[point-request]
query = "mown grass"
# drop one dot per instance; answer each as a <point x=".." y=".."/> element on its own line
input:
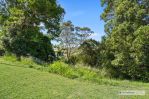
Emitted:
<point x="22" y="80"/>
<point x="26" y="83"/>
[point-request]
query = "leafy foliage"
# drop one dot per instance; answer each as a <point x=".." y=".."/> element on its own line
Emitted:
<point x="63" y="69"/>
<point x="68" y="39"/>
<point x="124" y="20"/>
<point x="23" y="23"/>
<point x="89" y="53"/>
<point x="71" y="38"/>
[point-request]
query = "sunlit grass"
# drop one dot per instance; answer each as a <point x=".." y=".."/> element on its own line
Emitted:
<point x="26" y="79"/>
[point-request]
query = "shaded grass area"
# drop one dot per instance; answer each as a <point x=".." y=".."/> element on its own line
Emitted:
<point x="27" y="83"/>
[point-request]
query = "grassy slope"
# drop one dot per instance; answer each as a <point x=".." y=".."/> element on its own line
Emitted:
<point x="27" y="83"/>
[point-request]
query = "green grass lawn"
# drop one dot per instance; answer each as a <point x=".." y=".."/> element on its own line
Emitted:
<point x="27" y="83"/>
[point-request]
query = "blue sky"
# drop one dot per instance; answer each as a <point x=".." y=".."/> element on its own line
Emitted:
<point x="85" y="13"/>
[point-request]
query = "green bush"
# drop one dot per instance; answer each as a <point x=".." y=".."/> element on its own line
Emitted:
<point x="63" y="69"/>
<point x="89" y="53"/>
<point x="86" y="74"/>
<point x="73" y="60"/>
<point x="72" y="72"/>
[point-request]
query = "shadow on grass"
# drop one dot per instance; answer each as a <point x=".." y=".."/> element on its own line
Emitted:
<point x="16" y="65"/>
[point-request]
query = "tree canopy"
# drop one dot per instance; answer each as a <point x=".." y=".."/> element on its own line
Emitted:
<point x="23" y="23"/>
<point x="125" y="21"/>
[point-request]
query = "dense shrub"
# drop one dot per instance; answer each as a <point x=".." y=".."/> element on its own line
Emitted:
<point x="62" y="69"/>
<point x="72" y="72"/>
<point x="80" y="72"/>
<point x="89" y="53"/>
<point x="86" y="74"/>
<point x="73" y="60"/>
<point x="2" y="52"/>
<point x="42" y="50"/>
